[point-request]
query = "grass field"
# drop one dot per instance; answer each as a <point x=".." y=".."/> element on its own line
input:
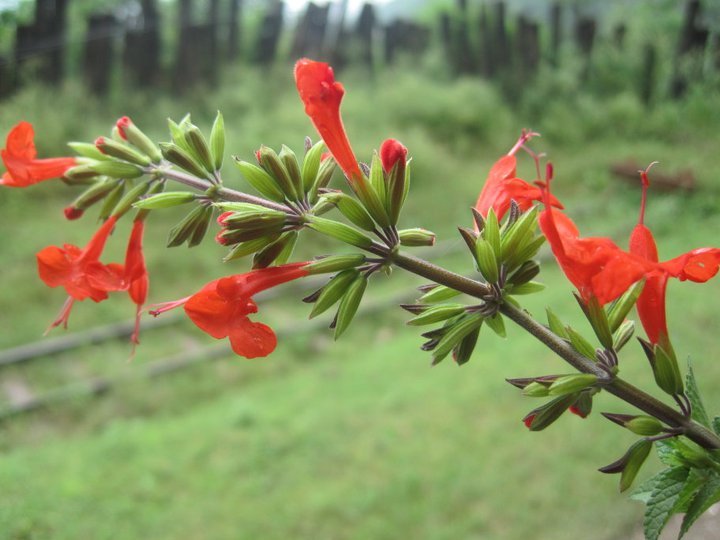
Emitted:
<point x="360" y="438"/>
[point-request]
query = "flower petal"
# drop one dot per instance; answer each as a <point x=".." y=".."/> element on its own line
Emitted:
<point x="252" y="339"/>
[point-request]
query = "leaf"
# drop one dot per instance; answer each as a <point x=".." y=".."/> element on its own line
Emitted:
<point x="644" y="491"/>
<point x="662" y="501"/>
<point x="668" y="453"/>
<point x="699" y="414"/>
<point x="708" y="495"/>
<point x="694" y="482"/>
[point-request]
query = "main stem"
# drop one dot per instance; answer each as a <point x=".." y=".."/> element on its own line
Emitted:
<point x="618" y="387"/>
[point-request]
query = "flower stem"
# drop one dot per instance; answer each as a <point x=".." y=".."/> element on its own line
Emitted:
<point x="618" y="387"/>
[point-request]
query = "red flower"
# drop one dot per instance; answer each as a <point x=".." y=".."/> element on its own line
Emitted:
<point x="698" y="265"/>
<point x="122" y="124"/>
<point x="19" y="157"/>
<point x="136" y="275"/>
<point x="595" y="265"/>
<point x="503" y="186"/>
<point x="322" y="95"/>
<point x="221" y="308"/>
<point x="80" y="270"/>
<point x="392" y="152"/>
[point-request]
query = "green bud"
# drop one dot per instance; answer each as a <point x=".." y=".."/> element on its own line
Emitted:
<point x="570" y="384"/>
<point x="536" y="389"/>
<point x="142" y="142"/>
<point x="260" y="180"/>
<point x="623" y="334"/>
<point x="666" y="371"/>
<point x="270" y="253"/>
<point x="463" y="351"/>
<point x="629" y="464"/>
<point x="324" y="175"/>
<point x="595" y="314"/>
<point x="524" y="252"/>
<point x="531" y="287"/>
<point x="351" y="209"/>
<point x="349" y="304"/>
<point x="437" y="314"/>
<point x="340" y="231"/>
<point x="622" y="306"/>
<point x="521" y="232"/>
<point x="274" y="166"/>
<point x="267" y="219"/>
<point x="416" y="237"/>
<point x="377" y="177"/>
<point x="311" y="165"/>
<point x="370" y="200"/>
<point x="496" y="324"/>
<point x="491" y="232"/>
<point x="191" y="228"/>
<point x="455" y="334"/>
<point x="646" y="426"/>
<point x="487" y="263"/>
<point x="126" y="203"/>
<point x="217" y="141"/>
<point x="121" y="151"/>
<point x="81" y="172"/>
<point x="580" y="344"/>
<point x="251" y="246"/>
<point x="556" y="325"/>
<point x="440" y="293"/>
<point x="198" y="148"/>
<point x="335" y="263"/>
<point x="542" y="417"/>
<point x="333" y="291"/>
<point x="88" y="150"/>
<point x="527" y="271"/>
<point x="289" y="159"/>
<point x="165" y="200"/>
<point x="97" y="192"/>
<point x="183" y="159"/>
<point x="178" y="136"/>
<point x="396" y="180"/>
<point x="116" y="169"/>
<point x="111" y="200"/>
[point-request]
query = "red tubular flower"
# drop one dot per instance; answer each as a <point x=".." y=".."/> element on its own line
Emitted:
<point x="136" y="275"/>
<point x="595" y="265"/>
<point x="19" y="157"/>
<point x="221" y="308"/>
<point x="80" y="271"/>
<point x="392" y="152"/>
<point x="503" y="186"/>
<point x="698" y="265"/>
<point x="322" y="95"/>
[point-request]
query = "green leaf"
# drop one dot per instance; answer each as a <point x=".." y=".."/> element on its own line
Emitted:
<point x="662" y="501"/>
<point x="693" y="483"/>
<point x="706" y="496"/>
<point x="643" y="492"/>
<point x="699" y="414"/>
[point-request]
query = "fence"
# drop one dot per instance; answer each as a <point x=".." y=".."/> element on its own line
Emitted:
<point x="478" y="39"/>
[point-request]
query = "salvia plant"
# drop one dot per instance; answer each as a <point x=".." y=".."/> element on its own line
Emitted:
<point x="128" y="175"/>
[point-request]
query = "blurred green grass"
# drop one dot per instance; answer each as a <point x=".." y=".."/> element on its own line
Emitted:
<point x="355" y="439"/>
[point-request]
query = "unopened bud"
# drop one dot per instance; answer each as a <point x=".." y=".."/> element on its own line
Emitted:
<point x="437" y="314"/>
<point x="121" y="151"/>
<point x="165" y="200"/>
<point x="199" y="148"/>
<point x="340" y="231"/>
<point x="644" y="425"/>
<point x="569" y="384"/>
<point x="416" y="237"/>
<point x="333" y="291"/>
<point x="117" y="169"/>
<point x="132" y="134"/>
<point x="260" y="180"/>
<point x="73" y="212"/>
<point x="540" y="418"/>
<point x="487" y="263"/>
<point x="275" y="167"/>
<point x="335" y="263"/>
<point x="180" y="157"/>
<point x="351" y="209"/>
<point x="629" y="464"/>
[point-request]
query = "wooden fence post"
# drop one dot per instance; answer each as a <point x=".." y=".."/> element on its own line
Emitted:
<point x="310" y="32"/>
<point x="364" y="33"/>
<point x="585" y="29"/>
<point x="693" y="39"/>
<point x="235" y="34"/>
<point x="269" y="34"/>
<point x="649" y="73"/>
<point x="141" y="51"/>
<point x="99" y="54"/>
